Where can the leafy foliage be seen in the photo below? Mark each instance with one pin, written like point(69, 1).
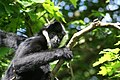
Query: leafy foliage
point(74, 2)
point(27, 14)
point(5, 57)
point(110, 62)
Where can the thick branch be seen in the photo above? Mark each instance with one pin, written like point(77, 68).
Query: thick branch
point(89, 28)
point(76, 36)
point(10, 40)
point(114, 25)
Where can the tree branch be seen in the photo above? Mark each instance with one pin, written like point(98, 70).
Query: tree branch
point(10, 39)
point(95, 24)
point(114, 25)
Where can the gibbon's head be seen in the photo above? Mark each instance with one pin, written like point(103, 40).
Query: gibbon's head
point(54, 33)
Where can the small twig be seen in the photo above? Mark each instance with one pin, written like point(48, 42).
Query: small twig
point(71, 71)
point(76, 36)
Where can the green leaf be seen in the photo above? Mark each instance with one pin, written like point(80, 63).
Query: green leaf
point(117, 75)
point(97, 13)
point(81, 21)
point(106, 57)
point(38, 1)
point(49, 8)
point(118, 43)
point(7, 7)
point(2, 10)
point(25, 3)
point(63, 19)
point(116, 50)
point(78, 22)
point(3, 51)
point(103, 70)
point(4, 64)
point(64, 41)
point(107, 1)
point(74, 2)
point(56, 8)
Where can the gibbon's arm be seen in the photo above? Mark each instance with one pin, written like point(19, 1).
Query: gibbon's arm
point(40, 58)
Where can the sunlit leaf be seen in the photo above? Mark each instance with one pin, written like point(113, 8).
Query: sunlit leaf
point(103, 70)
point(107, 1)
point(4, 64)
point(63, 19)
point(118, 43)
point(64, 40)
point(74, 2)
point(38, 1)
point(49, 8)
point(25, 3)
point(117, 75)
point(116, 50)
point(56, 8)
point(81, 21)
point(104, 58)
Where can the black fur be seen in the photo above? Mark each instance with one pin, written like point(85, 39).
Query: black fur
point(32, 58)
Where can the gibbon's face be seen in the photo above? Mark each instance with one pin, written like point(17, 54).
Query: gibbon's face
point(55, 39)
point(56, 32)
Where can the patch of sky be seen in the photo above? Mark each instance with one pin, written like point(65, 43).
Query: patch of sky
point(70, 14)
point(117, 2)
point(81, 3)
point(21, 32)
point(118, 18)
point(67, 7)
point(101, 9)
point(82, 8)
point(107, 18)
point(55, 2)
point(115, 16)
point(112, 7)
point(72, 7)
point(86, 20)
point(71, 26)
point(116, 12)
point(83, 0)
point(62, 3)
point(78, 28)
point(89, 0)
point(21, 11)
point(95, 1)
